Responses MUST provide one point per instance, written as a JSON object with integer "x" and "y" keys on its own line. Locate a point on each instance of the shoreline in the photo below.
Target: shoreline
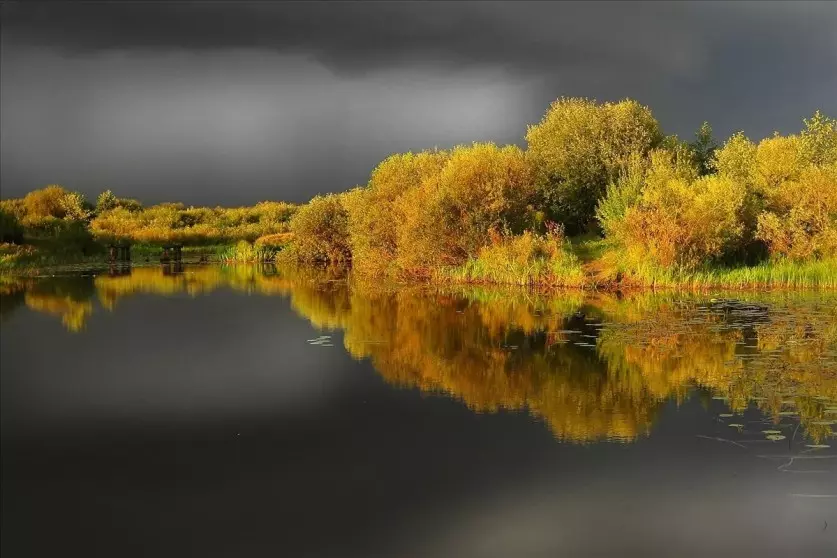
{"x": 708, "y": 280}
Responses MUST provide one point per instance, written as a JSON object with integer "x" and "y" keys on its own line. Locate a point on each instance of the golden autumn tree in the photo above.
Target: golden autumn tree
{"x": 579, "y": 147}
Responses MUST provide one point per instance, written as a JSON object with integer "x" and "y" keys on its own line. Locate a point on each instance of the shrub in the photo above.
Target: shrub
{"x": 449, "y": 217}
{"x": 13, "y": 255}
{"x": 819, "y": 139}
{"x": 54, "y": 201}
{"x": 46, "y": 202}
{"x": 622, "y": 194}
{"x": 790, "y": 188}
{"x": 10, "y": 227}
{"x": 193, "y": 225}
{"x": 278, "y": 240}
{"x": 106, "y": 200}
{"x": 777, "y": 160}
{"x": 736, "y": 158}
{"x": 373, "y": 214}
{"x": 320, "y": 230}
{"x": 62, "y": 236}
{"x": 655, "y": 171}
{"x": 800, "y": 221}
{"x": 579, "y": 147}
{"x": 684, "y": 224}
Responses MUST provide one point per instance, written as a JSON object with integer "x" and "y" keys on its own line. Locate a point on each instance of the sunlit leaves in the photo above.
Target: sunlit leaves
{"x": 320, "y": 230}
{"x": 579, "y": 147}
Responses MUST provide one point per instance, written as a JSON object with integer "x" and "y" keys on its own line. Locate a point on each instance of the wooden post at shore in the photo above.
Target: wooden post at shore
{"x": 119, "y": 252}
{"x": 172, "y": 253}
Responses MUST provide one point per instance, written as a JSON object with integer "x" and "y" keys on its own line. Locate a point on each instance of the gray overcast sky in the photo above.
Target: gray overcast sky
{"x": 234, "y": 102}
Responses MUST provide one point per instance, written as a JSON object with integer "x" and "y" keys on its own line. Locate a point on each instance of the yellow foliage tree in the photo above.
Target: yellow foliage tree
{"x": 374, "y": 216}
{"x": 579, "y": 147}
{"x": 450, "y": 216}
{"x": 320, "y": 230}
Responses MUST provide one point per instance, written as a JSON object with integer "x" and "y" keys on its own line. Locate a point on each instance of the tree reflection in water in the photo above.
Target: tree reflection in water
{"x": 591, "y": 366}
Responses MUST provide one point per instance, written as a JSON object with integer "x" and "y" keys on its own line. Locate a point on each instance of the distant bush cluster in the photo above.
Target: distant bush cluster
{"x": 61, "y": 216}
{"x": 54, "y": 217}
{"x": 174, "y": 222}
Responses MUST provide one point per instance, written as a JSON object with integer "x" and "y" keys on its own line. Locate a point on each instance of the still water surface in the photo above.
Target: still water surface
{"x": 250, "y": 411}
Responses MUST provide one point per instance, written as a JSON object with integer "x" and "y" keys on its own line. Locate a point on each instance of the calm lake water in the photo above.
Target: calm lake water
{"x": 259, "y": 412}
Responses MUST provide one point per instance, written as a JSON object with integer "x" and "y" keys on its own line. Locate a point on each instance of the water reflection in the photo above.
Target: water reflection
{"x": 591, "y": 366}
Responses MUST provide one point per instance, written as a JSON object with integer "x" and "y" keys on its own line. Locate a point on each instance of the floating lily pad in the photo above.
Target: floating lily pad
{"x": 771, "y": 431}
{"x": 775, "y": 437}
{"x": 817, "y": 446}
{"x": 736, "y": 425}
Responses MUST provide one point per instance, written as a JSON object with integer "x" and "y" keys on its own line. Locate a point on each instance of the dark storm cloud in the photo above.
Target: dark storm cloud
{"x": 231, "y": 102}
{"x": 357, "y": 36}
{"x": 347, "y": 36}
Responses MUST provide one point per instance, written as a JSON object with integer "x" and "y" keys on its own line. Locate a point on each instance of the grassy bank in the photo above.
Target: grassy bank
{"x": 769, "y": 275}
{"x": 244, "y": 252}
{"x": 527, "y": 259}
{"x": 591, "y": 265}
{"x": 584, "y": 263}
{"x": 29, "y": 259}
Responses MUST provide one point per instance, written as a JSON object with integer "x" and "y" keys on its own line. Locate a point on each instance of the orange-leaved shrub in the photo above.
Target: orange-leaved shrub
{"x": 777, "y": 197}
{"x": 448, "y": 217}
{"x": 375, "y": 214}
{"x": 791, "y": 188}
{"x": 800, "y": 220}
{"x": 661, "y": 212}
{"x": 320, "y": 231}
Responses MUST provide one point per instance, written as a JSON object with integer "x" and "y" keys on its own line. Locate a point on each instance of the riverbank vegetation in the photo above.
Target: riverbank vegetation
{"x": 663, "y": 212}
{"x": 54, "y": 226}
{"x": 653, "y": 210}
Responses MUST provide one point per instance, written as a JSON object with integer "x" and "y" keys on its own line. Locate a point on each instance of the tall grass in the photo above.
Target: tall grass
{"x": 26, "y": 258}
{"x": 244, "y": 252}
{"x": 784, "y": 274}
{"x": 526, "y": 259}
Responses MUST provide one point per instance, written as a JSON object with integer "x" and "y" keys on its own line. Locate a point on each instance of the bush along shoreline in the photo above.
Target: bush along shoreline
{"x": 599, "y": 198}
